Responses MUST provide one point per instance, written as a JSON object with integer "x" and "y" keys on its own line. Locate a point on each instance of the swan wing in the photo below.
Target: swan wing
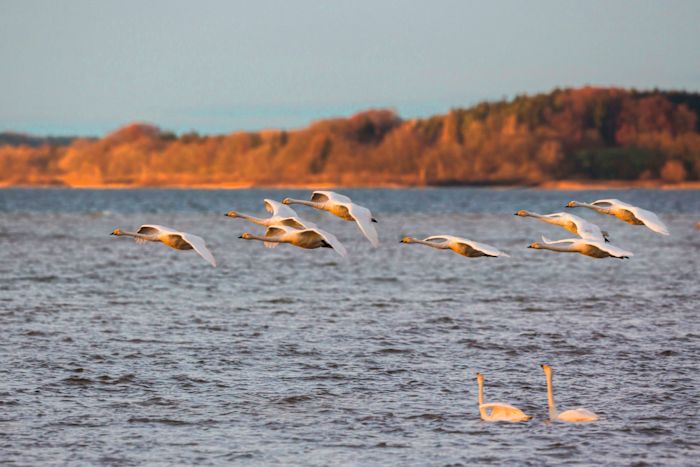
{"x": 441, "y": 238}
{"x": 278, "y": 209}
{"x": 650, "y": 219}
{"x": 296, "y": 223}
{"x": 503, "y": 412}
{"x": 610, "y": 202}
{"x": 333, "y": 242}
{"x": 483, "y": 247}
{"x": 275, "y": 231}
{"x": 363, "y": 217}
{"x": 323, "y": 196}
{"x": 197, "y": 243}
{"x": 587, "y": 229}
{"x": 566, "y": 240}
{"x": 150, "y": 229}
{"x": 612, "y": 250}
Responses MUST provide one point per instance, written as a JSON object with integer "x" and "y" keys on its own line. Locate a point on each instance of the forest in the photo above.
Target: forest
{"x": 584, "y": 134}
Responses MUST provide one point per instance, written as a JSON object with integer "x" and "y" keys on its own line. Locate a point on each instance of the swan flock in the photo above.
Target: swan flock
{"x": 284, "y": 225}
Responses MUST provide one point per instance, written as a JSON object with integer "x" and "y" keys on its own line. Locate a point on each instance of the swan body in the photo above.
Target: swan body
{"x": 498, "y": 411}
{"x": 302, "y": 238}
{"x": 461, "y": 246}
{"x": 592, "y": 248}
{"x": 572, "y": 416}
{"x": 626, "y": 212}
{"x": 574, "y": 224}
{"x": 343, "y": 207}
{"x": 281, "y": 215}
{"x": 171, "y": 238}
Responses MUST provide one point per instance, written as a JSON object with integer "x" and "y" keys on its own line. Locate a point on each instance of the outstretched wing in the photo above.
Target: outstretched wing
{"x": 278, "y": 209}
{"x": 650, "y": 219}
{"x": 297, "y": 223}
{"x": 566, "y": 240}
{"x": 363, "y": 217}
{"x": 612, "y": 250}
{"x": 440, "y": 238}
{"x": 607, "y": 203}
{"x": 199, "y": 246}
{"x": 150, "y": 229}
{"x": 586, "y": 229}
{"x": 484, "y": 248}
{"x": 333, "y": 242}
{"x": 323, "y": 196}
{"x": 273, "y": 231}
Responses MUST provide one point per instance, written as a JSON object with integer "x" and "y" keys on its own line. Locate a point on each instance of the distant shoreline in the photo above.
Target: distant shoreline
{"x": 574, "y": 185}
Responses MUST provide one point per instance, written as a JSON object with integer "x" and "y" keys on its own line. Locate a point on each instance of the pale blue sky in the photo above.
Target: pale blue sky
{"x": 87, "y": 67}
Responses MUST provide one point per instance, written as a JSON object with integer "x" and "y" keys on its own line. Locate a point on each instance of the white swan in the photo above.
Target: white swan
{"x": 573, "y": 415}
{"x": 498, "y": 411}
{"x": 304, "y": 238}
{"x": 281, "y": 215}
{"x": 574, "y": 224}
{"x": 592, "y": 248}
{"x": 343, "y": 207}
{"x": 626, "y": 212}
{"x": 461, "y": 246}
{"x": 170, "y": 237}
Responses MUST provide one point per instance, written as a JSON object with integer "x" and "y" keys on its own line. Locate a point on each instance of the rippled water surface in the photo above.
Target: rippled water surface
{"x": 122, "y": 354}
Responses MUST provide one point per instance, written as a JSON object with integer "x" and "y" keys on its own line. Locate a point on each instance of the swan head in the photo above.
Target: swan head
{"x": 231, "y": 214}
{"x": 479, "y": 378}
{"x": 116, "y": 232}
{"x": 547, "y": 369}
{"x": 535, "y": 245}
{"x": 407, "y": 240}
{"x": 572, "y": 204}
{"x": 287, "y": 201}
{"x": 246, "y": 236}
{"x": 522, "y": 213}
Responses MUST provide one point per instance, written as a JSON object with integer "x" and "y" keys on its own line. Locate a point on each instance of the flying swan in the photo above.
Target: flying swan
{"x": 498, "y": 411}
{"x": 343, "y": 207}
{"x": 281, "y": 215}
{"x": 625, "y": 212}
{"x": 574, "y": 224}
{"x": 170, "y": 237}
{"x": 304, "y": 238}
{"x": 573, "y": 415}
{"x": 592, "y": 248}
{"x": 459, "y": 245}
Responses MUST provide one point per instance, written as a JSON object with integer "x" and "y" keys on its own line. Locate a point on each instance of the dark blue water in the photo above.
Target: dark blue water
{"x": 114, "y": 353}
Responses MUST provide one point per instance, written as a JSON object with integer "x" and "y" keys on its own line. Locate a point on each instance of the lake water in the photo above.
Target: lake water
{"x": 114, "y": 353}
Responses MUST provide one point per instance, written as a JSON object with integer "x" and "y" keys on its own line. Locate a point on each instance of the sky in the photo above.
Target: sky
{"x": 84, "y": 67}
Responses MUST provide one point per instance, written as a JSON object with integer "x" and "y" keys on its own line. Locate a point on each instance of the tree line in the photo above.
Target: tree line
{"x": 567, "y": 134}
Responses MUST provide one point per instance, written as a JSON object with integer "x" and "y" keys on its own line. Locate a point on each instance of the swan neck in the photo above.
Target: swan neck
{"x": 550, "y": 398}
{"x": 137, "y": 235}
{"x": 600, "y": 209}
{"x": 313, "y": 204}
{"x": 253, "y": 219}
{"x": 481, "y": 391}
{"x": 265, "y": 239}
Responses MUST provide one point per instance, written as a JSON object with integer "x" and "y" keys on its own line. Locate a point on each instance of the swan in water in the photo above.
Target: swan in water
{"x": 281, "y": 215}
{"x": 459, "y": 245}
{"x": 574, "y": 224}
{"x": 498, "y": 411}
{"x": 625, "y": 212}
{"x": 170, "y": 237}
{"x": 303, "y": 238}
{"x": 573, "y": 415}
{"x": 343, "y": 207}
{"x": 592, "y": 248}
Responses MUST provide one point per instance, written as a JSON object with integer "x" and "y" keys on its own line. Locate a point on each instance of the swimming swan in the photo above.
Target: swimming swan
{"x": 572, "y": 416}
{"x": 170, "y": 237}
{"x": 626, "y": 212}
{"x": 281, "y": 215}
{"x": 459, "y": 245}
{"x": 343, "y": 207}
{"x": 497, "y": 411}
{"x": 305, "y": 238}
{"x": 574, "y": 224}
{"x": 592, "y": 248}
